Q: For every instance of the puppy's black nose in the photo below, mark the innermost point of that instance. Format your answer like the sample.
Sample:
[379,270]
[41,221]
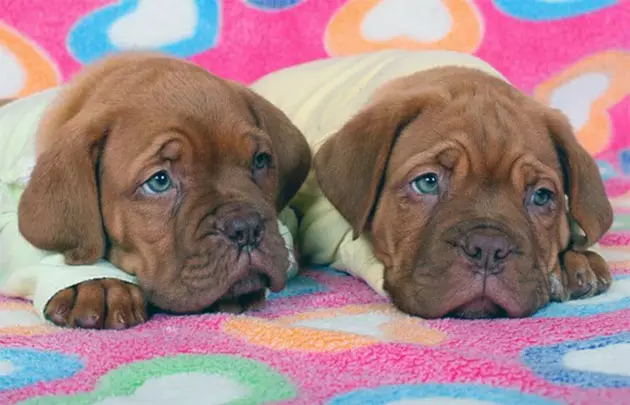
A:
[245,229]
[486,251]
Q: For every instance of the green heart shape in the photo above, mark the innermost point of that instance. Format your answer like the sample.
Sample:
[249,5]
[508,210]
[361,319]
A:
[264,384]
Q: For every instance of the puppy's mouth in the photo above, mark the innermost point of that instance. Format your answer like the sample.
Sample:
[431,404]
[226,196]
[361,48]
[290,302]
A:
[250,282]
[480,307]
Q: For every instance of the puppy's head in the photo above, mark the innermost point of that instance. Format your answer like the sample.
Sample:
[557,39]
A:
[172,174]
[460,181]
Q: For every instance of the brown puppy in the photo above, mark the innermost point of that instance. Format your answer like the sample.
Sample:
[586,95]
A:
[172,174]
[441,185]
[462,194]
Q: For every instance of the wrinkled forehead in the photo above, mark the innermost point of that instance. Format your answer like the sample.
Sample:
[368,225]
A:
[190,137]
[203,130]
[491,132]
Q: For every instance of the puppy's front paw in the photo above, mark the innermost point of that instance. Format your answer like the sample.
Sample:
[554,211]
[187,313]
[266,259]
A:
[98,304]
[584,274]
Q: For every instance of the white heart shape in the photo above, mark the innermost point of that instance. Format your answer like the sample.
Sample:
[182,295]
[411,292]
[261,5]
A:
[614,255]
[184,389]
[611,359]
[6,367]
[360,324]
[424,21]
[13,76]
[15,318]
[575,97]
[155,23]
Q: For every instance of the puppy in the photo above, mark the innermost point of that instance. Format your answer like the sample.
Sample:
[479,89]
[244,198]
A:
[443,186]
[173,175]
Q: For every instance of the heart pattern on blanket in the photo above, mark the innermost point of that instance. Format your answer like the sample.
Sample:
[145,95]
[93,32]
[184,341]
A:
[585,91]
[179,27]
[544,10]
[21,367]
[371,25]
[184,379]
[177,20]
[21,319]
[25,67]
[442,394]
[581,362]
[427,21]
[328,330]
[273,5]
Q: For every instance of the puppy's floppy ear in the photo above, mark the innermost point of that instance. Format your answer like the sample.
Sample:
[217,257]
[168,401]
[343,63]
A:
[292,151]
[588,203]
[59,209]
[350,166]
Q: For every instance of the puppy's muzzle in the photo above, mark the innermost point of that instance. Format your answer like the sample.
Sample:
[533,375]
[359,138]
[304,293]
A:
[244,226]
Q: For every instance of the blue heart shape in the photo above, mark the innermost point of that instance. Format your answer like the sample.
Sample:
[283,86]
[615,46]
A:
[88,40]
[407,392]
[624,161]
[548,363]
[541,10]
[30,366]
[272,5]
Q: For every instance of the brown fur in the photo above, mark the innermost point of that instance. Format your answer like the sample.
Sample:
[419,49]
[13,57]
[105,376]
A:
[115,125]
[491,147]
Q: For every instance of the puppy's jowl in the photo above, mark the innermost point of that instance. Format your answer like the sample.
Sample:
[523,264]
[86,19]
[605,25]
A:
[442,185]
[171,174]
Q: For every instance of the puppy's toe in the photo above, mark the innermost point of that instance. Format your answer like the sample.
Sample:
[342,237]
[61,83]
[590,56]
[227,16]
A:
[601,270]
[89,307]
[125,305]
[60,306]
[587,274]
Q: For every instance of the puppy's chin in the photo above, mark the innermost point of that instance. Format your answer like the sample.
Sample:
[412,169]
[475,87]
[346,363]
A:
[251,282]
[468,295]
[482,307]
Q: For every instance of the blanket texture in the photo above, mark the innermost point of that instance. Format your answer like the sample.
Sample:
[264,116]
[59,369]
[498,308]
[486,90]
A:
[328,339]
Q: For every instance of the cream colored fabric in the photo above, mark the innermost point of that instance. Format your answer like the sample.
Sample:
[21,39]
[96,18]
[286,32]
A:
[319,97]
[26,271]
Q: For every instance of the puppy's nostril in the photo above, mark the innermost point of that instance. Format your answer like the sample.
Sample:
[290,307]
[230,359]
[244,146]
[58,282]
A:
[501,254]
[239,237]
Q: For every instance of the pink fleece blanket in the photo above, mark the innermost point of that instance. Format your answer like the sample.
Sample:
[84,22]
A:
[327,339]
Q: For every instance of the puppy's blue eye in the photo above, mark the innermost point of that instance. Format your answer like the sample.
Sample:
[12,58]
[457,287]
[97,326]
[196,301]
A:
[542,197]
[159,183]
[261,160]
[426,184]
